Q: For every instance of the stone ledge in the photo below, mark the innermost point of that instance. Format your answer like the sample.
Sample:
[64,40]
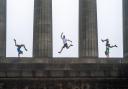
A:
[62,60]
[63,70]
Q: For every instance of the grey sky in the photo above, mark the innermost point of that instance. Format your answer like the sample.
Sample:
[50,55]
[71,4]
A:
[19,26]
[109,15]
[65,19]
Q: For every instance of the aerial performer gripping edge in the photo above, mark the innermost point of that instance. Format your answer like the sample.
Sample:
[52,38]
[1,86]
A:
[19,48]
[108,46]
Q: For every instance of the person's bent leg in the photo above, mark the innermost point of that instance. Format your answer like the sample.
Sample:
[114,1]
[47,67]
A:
[61,49]
[18,54]
[68,46]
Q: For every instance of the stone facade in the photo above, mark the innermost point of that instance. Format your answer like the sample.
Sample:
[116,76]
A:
[45,72]
[55,74]
[2,28]
[64,84]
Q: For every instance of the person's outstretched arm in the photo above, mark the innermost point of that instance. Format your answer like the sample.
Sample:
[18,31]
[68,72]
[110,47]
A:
[103,40]
[25,48]
[15,42]
[69,40]
[113,46]
[62,35]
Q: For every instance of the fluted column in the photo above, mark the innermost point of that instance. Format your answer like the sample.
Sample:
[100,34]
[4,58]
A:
[88,40]
[125,28]
[42,46]
[2,28]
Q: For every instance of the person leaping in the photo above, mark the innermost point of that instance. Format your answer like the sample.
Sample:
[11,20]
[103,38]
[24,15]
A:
[108,46]
[65,43]
[19,48]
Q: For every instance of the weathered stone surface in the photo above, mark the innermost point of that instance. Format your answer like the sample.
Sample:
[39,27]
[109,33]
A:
[65,68]
[88,37]
[41,73]
[125,28]
[74,83]
[42,40]
[2,28]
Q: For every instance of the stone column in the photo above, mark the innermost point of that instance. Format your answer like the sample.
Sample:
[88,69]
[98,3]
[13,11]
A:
[125,28]
[42,46]
[88,37]
[2,28]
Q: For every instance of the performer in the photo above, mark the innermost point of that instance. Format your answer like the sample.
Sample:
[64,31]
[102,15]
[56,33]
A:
[65,43]
[108,46]
[19,48]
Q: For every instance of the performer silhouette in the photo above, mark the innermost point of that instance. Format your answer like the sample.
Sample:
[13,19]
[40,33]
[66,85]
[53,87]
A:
[19,48]
[108,46]
[65,43]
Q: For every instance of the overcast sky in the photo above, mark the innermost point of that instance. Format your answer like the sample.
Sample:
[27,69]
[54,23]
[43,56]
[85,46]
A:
[19,26]
[109,15]
[65,19]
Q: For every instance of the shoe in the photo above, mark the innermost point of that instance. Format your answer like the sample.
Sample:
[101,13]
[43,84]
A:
[115,45]
[71,45]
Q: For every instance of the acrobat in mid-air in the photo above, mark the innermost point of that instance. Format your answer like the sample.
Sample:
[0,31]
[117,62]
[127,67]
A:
[19,48]
[65,43]
[108,46]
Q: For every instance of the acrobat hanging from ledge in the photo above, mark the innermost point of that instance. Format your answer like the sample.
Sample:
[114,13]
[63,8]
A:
[108,46]
[65,43]
[19,48]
